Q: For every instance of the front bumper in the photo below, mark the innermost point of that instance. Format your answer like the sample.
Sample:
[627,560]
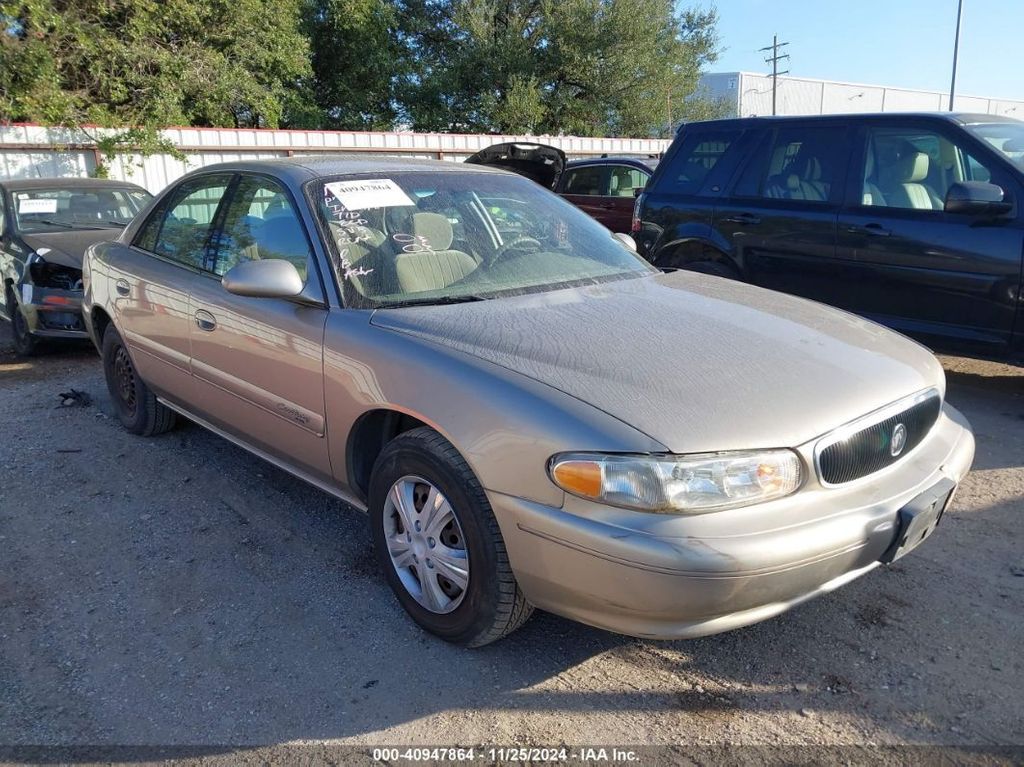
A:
[670,576]
[53,313]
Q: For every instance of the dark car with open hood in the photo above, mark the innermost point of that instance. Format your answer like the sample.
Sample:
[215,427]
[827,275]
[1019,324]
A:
[45,226]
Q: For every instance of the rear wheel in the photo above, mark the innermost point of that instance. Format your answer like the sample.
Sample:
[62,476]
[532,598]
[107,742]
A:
[25,344]
[137,407]
[439,544]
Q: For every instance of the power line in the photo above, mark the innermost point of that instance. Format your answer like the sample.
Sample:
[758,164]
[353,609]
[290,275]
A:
[774,60]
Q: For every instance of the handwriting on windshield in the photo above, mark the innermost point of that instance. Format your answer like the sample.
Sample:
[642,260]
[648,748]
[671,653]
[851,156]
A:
[352,231]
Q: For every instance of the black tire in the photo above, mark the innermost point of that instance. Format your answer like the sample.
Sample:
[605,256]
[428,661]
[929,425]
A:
[25,344]
[493,605]
[715,268]
[137,407]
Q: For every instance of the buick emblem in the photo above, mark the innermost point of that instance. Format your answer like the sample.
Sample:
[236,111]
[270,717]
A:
[898,441]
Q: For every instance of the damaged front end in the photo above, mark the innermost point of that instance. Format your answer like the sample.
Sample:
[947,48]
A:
[51,299]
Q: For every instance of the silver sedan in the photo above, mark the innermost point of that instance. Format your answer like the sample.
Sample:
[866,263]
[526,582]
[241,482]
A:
[531,414]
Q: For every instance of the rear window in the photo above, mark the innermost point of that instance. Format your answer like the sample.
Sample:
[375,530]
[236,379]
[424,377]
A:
[691,167]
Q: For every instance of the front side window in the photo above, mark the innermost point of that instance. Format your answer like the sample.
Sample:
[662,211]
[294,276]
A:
[48,210]
[260,223]
[588,181]
[797,163]
[180,228]
[692,165]
[624,181]
[442,237]
[912,169]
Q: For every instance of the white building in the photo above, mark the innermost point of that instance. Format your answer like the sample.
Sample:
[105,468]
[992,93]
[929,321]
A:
[750,94]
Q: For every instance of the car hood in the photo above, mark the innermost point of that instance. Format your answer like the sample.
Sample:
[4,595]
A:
[538,162]
[698,363]
[67,248]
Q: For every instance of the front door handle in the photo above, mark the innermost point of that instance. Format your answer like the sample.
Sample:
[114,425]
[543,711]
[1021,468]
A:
[205,320]
[744,219]
[872,230]
[122,287]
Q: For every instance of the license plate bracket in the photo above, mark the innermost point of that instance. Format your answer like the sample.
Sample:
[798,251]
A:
[919,518]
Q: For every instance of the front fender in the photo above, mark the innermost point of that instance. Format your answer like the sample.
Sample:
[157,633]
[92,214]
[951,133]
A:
[504,424]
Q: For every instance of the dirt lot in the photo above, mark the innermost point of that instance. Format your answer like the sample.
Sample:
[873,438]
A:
[179,591]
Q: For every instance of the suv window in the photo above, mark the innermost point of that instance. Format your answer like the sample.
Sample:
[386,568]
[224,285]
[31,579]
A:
[260,223]
[699,154]
[624,179]
[179,228]
[913,168]
[795,163]
[587,180]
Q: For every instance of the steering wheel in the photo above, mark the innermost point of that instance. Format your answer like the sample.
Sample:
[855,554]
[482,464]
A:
[521,244]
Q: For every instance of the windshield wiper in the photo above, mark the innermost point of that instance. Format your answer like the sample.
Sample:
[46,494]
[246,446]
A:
[50,222]
[441,301]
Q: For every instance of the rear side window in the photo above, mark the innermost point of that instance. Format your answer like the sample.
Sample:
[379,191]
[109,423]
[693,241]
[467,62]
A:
[692,165]
[588,180]
[180,227]
[796,163]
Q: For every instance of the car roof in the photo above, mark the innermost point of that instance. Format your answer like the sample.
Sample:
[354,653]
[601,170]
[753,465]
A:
[73,182]
[961,118]
[646,162]
[302,168]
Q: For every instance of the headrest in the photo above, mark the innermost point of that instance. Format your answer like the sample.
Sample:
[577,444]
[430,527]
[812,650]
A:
[912,167]
[435,228]
[812,171]
[869,163]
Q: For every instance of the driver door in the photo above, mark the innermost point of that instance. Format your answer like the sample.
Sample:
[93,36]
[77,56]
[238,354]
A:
[258,362]
[950,280]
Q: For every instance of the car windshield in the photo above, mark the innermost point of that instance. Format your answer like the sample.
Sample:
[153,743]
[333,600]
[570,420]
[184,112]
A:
[441,237]
[1008,138]
[49,210]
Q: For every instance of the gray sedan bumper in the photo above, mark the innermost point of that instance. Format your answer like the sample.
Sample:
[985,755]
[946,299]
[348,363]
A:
[670,576]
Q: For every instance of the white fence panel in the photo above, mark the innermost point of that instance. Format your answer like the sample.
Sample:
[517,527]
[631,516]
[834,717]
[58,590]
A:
[28,151]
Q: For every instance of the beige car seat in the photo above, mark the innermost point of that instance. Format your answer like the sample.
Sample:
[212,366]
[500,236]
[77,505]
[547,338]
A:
[902,183]
[433,269]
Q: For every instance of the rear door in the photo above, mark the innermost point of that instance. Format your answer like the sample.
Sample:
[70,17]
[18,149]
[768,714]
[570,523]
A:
[779,217]
[258,362]
[151,280]
[586,187]
[678,205]
[950,280]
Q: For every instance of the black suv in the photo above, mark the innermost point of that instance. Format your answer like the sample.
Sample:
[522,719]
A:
[913,220]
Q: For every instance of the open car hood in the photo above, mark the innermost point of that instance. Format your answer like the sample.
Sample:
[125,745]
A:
[538,162]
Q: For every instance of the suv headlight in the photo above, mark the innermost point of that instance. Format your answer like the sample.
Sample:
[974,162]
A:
[687,484]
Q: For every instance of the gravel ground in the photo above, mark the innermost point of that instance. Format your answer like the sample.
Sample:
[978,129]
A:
[179,591]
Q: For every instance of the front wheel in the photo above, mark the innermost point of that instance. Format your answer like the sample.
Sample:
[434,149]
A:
[439,544]
[715,268]
[25,344]
[138,409]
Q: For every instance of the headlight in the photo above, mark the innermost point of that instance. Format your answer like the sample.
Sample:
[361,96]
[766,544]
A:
[688,484]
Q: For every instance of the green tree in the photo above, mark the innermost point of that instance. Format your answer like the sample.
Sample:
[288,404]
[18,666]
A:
[589,67]
[357,61]
[152,63]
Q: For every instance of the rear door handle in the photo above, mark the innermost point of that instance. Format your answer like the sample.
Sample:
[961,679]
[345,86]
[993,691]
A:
[122,287]
[205,320]
[873,230]
[745,219]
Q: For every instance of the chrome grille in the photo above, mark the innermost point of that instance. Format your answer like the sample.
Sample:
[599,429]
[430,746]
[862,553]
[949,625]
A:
[866,446]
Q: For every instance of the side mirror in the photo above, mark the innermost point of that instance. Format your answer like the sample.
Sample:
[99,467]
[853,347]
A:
[271,278]
[976,198]
[626,240]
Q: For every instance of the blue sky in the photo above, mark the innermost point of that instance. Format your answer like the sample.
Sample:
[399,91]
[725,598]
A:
[906,43]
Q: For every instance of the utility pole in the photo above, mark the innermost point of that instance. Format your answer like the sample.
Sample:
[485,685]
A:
[956,50]
[774,60]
